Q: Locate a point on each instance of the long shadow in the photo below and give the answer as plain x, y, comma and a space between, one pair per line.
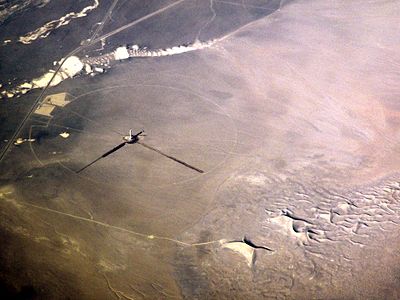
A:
134, 139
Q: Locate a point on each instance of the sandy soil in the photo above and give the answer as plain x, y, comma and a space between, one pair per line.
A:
293, 118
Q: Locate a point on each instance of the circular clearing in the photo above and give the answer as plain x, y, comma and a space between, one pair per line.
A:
179, 123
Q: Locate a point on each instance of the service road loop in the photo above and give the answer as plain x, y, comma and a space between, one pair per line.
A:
214, 108
92, 41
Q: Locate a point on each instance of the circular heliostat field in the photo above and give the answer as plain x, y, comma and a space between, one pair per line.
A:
178, 123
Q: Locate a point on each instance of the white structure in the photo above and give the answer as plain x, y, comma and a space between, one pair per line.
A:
121, 53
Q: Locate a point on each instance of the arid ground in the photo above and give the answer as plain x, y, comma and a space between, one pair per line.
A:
292, 112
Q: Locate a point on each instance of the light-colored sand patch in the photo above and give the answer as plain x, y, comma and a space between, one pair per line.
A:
64, 134
98, 70
243, 249
43, 80
73, 66
20, 141
6, 196
135, 51
45, 30
88, 68
286, 225
39, 239
21, 231
71, 245
325, 216
345, 207
109, 267
254, 179
26, 85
